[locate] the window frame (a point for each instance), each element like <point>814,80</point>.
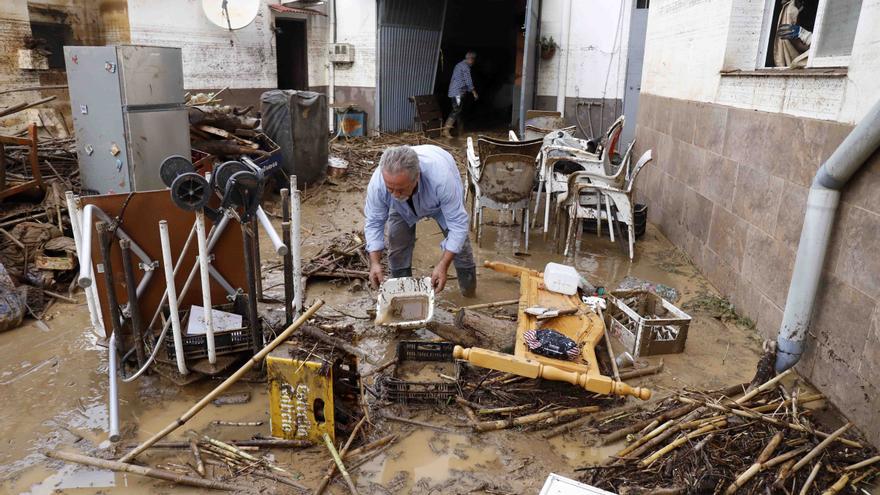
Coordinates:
<point>813,61</point>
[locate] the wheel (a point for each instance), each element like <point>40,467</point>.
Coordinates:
<point>190,191</point>
<point>174,166</point>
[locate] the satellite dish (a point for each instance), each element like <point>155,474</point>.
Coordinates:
<point>231,14</point>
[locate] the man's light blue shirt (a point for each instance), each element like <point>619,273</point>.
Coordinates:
<point>461,81</point>
<point>439,195</point>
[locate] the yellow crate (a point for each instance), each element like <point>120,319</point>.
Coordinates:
<point>300,398</point>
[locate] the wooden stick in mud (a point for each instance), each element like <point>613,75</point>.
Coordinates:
<point>648,370</point>
<point>820,447</point>
<point>678,442</point>
<point>235,451</point>
<point>865,463</point>
<point>646,437</point>
<point>472,417</point>
<point>236,423</point>
<point>321,335</point>
<point>225,385</point>
<point>200,465</point>
<point>559,430</point>
<point>340,465</point>
<point>504,410</point>
<point>257,442</point>
<point>532,418</point>
<point>370,446</point>
<point>416,422</point>
<point>144,471</point>
<point>331,470</point>
<point>496,304</point>
<point>838,485</point>
<point>756,467</point>
<point>662,417</point>
<point>615,371</point>
<point>810,479</point>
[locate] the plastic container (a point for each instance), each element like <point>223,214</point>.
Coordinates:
<point>562,279</point>
<point>406,302</point>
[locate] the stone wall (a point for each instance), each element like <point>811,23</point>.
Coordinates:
<point>729,187</point>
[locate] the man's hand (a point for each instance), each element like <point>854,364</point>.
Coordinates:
<point>438,277</point>
<point>377,273</point>
<point>788,31</point>
<point>476,96</point>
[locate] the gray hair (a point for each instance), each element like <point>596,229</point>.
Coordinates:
<point>400,159</point>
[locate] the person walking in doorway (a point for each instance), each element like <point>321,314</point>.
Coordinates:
<point>460,85</point>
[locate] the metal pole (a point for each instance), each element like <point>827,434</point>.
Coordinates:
<point>167,261</point>
<point>296,242</point>
<point>279,245</point>
<point>74,212</point>
<point>134,310</point>
<point>253,317</point>
<point>206,285</point>
<point>113,390</point>
<point>288,256</point>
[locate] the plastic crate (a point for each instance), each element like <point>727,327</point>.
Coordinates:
<point>225,342</point>
<point>646,323</point>
<point>395,389</point>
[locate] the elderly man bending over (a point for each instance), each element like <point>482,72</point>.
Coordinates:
<point>412,183</point>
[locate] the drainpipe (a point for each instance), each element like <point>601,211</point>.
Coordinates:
<point>822,203</point>
<point>331,67</point>
<point>562,72</point>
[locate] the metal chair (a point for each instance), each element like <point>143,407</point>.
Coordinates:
<point>589,156</point>
<point>505,183</point>
<point>585,198</point>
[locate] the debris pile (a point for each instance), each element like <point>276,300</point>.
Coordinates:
<point>761,439</point>
<point>363,153</point>
<point>225,132</point>
<point>341,257</point>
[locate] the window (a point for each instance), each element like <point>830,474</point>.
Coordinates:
<point>642,4</point>
<point>808,33</point>
<point>48,39</point>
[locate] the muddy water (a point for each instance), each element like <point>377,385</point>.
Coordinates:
<point>54,382</point>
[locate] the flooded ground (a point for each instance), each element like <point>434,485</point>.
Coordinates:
<point>54,382</point>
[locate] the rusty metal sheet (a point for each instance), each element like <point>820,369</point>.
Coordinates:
<point>141,221</point>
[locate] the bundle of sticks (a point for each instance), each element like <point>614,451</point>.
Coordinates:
<point>363,153</point>
<point>739,440</point>
<point>342,257</point>
<point>57,159</point>
<point>225,131</point>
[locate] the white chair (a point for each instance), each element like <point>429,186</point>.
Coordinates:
<point>560,146</point>
<point>586,197</point>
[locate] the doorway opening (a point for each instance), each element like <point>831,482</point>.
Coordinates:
<point>494,30</point>
<point>291,51</point>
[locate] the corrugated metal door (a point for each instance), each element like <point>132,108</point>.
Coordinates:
<point>635,59</point>
<point>530,62</point>
<point>409,42</point>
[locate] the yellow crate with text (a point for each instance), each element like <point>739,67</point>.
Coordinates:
<point>300,397</point>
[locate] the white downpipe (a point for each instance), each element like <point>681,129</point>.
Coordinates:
<point>206,286</point>
<point>562,72</point>
<point>113,390</point>
<point>74,213</point>
<point>277,243</point>
<point>168,264</point>
<point>331,68</point>
<point>295,234</point>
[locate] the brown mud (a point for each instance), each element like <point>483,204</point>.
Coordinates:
<point>54,382</point>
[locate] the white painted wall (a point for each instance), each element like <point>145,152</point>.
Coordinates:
<point>591,52</point>
<point>689,42</point>
<point>213,57</point>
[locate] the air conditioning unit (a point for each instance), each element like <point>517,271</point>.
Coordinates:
<point>342,53</point>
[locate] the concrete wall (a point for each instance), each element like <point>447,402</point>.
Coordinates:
<point>734,157</point>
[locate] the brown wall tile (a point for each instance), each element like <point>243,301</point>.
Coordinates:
<point>767,264</point>
<point>757,197</point>
<point>843,316</point>
<point>718,180</point>
<point>790,218</point>
<point>745,134</point>
<point>858,263</point>
<point>719,273</point>
<point>709,127</point>
<point>697,214</point>
<point>727,237</point>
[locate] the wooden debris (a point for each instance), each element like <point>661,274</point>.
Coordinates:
<point>321,335</point>
<point>236,423</point>
<point>501,424</point>
<point>339,464</point>
<point>197,457</point>
<point>145,471</point>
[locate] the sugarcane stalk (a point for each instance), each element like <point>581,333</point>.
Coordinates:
<point>623,432</point>
<point>567,427</point>
<point>331,470</point>
<point>237,451</point>
<point>651,434</point>
<point>472,417</point>
<point>678,442</point>
<point>763,387</point>
<point>756,467</point>
<point>838,485</point>
<point>865,463</point>
<point>416,422</point>
<point>200,465</point>
<point>751,413</point>
<point>144,471</point>
<point>819,448</point>
<point>226,383</point>
<point>810,479</point>
<point>495,304</point>
<point>236,423</point>
<point>648,370</point>
<point>532,418</point>
<point>504,410</point>
<point>370,446</point>
<point>254,443</point>
<point>339,464</point>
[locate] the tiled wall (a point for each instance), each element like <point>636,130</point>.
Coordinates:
<point>729,187</point>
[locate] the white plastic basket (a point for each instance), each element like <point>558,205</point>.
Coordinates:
<point>406,302</point>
